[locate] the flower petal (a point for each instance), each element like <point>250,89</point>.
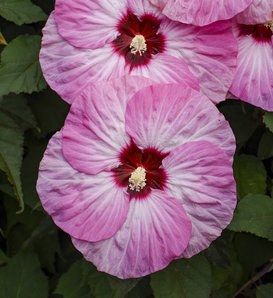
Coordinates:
<point>88,24</point>
<point>167,69</point>
<point>259,11</point>
<point>156,231</point>
<point>166,116</point>
<point>94,132</point>
<point>201,12</point>
<point>68,69</point>
<point>200,176</point>
<point>90,208</point>
<point>209,51</point>
<point>253,80</point>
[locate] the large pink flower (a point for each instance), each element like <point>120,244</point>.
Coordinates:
<point>85,41</point>
<point>253,80</point>
<point>201,12</point>
<point>139,178</point>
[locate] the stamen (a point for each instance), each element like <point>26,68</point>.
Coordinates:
<point>138,44</point>
<point>269,25</point>
<point>137,181</point>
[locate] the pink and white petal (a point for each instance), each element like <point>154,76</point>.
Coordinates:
<point>157,230</point>
<point>90,208</point>
<point>166,116</point>
<point>68,69</point>
<point>167,69</point>
<point>210,52</point>
<point>200,176</point>
<point>142,7</point>
<point>89,24</point>
<point>253,80</point>
<point>259,11</point>
<point>201,12</point>
<point>94,131</point>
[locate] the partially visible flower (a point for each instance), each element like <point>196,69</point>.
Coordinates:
<point>201,12</point>
<point>140,178</point>
<point>253,80</point>
<point>260,11</point>
<point>86,41</point>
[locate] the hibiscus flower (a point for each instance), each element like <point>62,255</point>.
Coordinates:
<point>253,80</point>
<point>139,175</point>
<point>201,12</point>
<point>86,41</point>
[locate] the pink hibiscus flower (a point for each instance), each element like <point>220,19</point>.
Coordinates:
<point>86,41</point>
<point>201,12</point>
<point>253,80</point>
<point>139,177</point>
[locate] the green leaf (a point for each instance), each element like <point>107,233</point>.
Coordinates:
<point>248,245</point>
<point>21,11</point>
<point>265,291</point>
<point>20,70</point>
<point>250,175</point>
<point>268,120</point>
<point>99,285</point>
<point>2,40</point>
<point>22,278</point>
<point>3,258</point>
<point>265,149</point>
<point>72,284</point>
<point>254,214</point>
<point>11,151</point>
<point>183,279</point>
<point>17,108</point>
<point>239,116</point>
<point>50,110</point>
<point>34,150</point>
<point>121,287</point>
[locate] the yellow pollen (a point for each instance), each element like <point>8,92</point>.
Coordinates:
<point>137,179</point>
<point>138,44</point>
<point>269,25</point>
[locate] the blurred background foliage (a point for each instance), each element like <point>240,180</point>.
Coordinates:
<point>38,260</point>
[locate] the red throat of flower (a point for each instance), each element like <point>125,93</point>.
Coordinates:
<point>260,32</point>
<point>138,39</point>
<point>140,170</point>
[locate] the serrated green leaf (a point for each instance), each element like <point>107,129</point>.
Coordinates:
<point>72,284</point>
<point>183,279</point>
<point>265,291</point>
<point>17,108</point>
<point>2,40</point>
<point>265,149</point>
<point>11,151</point>
<point>250,175</point>
<point>254,214</point>
<point>21,11</point>
<point>22,278</point>
<point>268,120</point>
<point>20,70</point>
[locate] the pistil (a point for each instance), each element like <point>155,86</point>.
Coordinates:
<point>137,181</point>
<point>138,44</point>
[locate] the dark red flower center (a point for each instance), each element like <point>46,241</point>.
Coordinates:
<point>140,170</point>
<point>139,39</point>
<point>261,32</point>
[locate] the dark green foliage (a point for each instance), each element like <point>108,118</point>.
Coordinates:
<point>38,260</point>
